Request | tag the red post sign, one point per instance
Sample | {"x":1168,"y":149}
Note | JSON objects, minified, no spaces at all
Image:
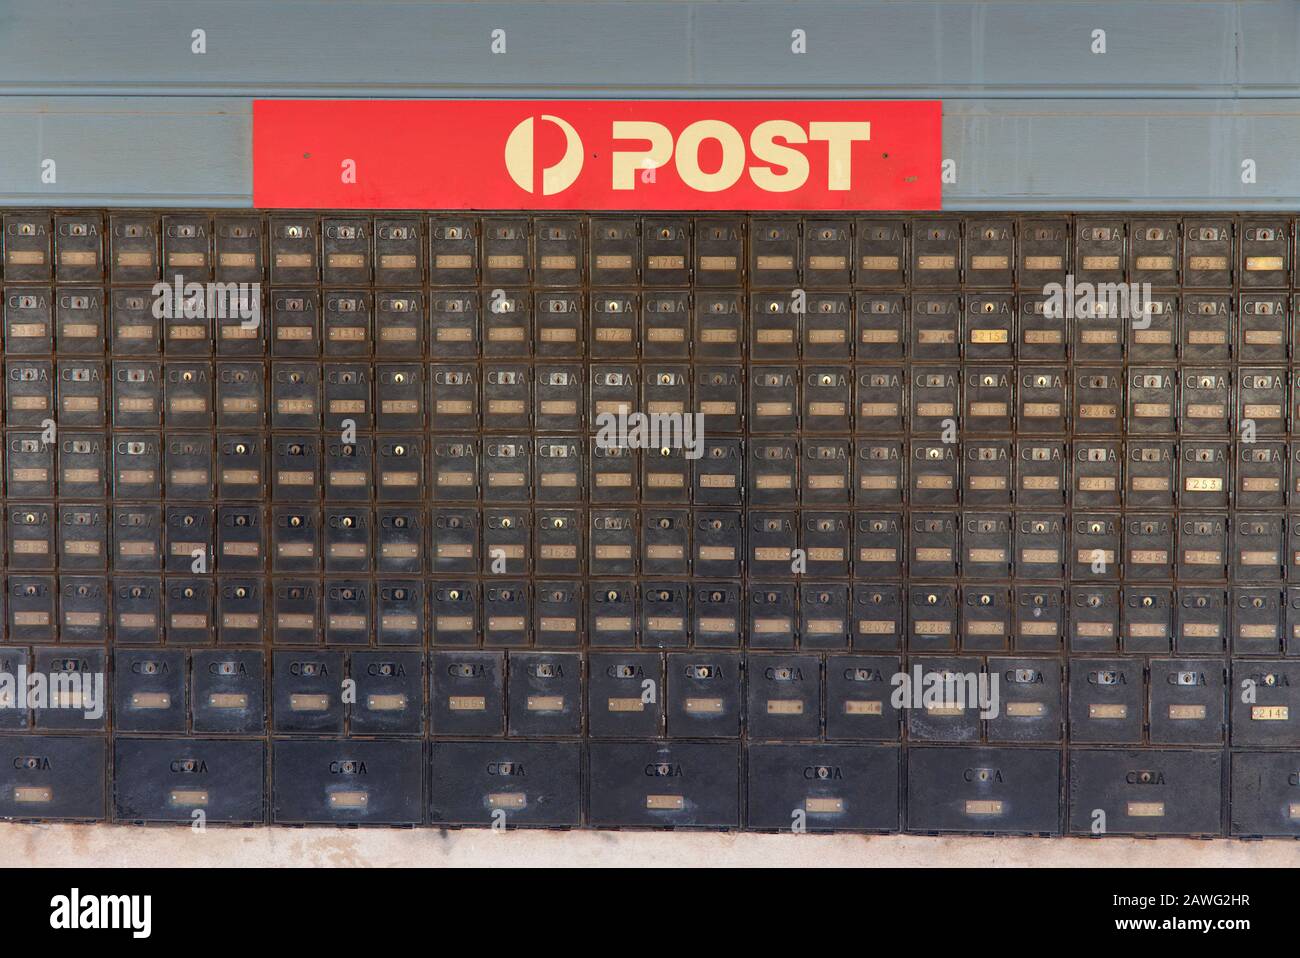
{"x":597,"y":154}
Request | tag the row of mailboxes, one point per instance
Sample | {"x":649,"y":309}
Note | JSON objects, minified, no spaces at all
{"x":826,"y":472}
{"x":1246,"y":547}
{"x":654,"y":250}
{"x":699,"y":694}
{"x":190,"y":319}
{"x":508,"y":612}
{"x":1255,"y":401}
{"x":670,"y":406}
{"x":654,"y":784}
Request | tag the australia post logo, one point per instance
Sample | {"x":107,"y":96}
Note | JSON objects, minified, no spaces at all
{"x":519,"y":157}
{"x":593,"y":155}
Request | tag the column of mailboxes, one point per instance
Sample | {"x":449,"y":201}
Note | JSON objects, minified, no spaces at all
{"x":1179,"y":538}
{"x":1118,"y":470}
{"x":749,"y":323}
{"x":1178,"y":411}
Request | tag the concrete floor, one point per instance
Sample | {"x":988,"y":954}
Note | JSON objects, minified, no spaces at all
{"x":116,"y":845}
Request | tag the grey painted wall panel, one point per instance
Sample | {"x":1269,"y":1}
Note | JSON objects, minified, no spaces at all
{"x":1155,"y":154}
{"x":143,"y":151}
{"x":973,"y":49}
{"x":308,"y":47}
{"x":961,"y":48}
{"x":1012,"y":154}
{"x":1269,"y":40}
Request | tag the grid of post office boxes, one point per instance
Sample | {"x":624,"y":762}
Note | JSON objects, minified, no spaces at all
{"x":334,"y":501}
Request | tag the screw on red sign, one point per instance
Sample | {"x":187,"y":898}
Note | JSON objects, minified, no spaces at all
{"x":596,"y":155}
